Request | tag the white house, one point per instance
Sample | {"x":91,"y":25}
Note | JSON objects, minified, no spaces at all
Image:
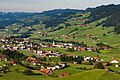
{"x":114,"y":61}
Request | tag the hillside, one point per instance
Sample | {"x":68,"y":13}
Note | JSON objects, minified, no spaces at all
{"x":53,"y":18}
{"x":50,"y":18}
{"x":111,"y":12}
{"x":92,"y":75}
{"x":70,"y":25}
{"x":75,"y":30}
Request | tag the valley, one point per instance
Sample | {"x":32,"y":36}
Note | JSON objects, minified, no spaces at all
{"x":61,"y":45}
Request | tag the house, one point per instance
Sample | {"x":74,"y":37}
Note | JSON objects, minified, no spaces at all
{"x":3,"y":57}
{"x":95,"y":48}
{"x":115,"y":62}
{"x":15,"y":48}
{"x":63,"y":64}
{"x":78,"y":48}
{"x":82,"y":49}
{"x":33,"y":61}
{"x":58,"y":45}
{"x":89,"y":49}
{"x":14,"y":62}
{"x":105,"y":63}
{"x":64,"y":74}
{"x":51,"y":55}
{"x":87,"y":58}
{"x":47,"y":71}
{"x":57,"y":67}
{"x":64,"y":35}
{"x":51,"y":68}
{"x":67,"y":45}
{"x":96,"y":58}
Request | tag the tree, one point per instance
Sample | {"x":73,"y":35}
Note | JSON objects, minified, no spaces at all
{"x":117,"y":29}
{"x":70,"y":50}
{"x":79,"y":60}
{"x":98,"y":65}
{"x":44,"y":59}
{"x":104,"y":34}
{"x":28,"y":72}
{"x":49,"y":59}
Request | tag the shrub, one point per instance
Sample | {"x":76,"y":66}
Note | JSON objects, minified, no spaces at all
{"x":84,"y":68}
{"x":28,"y":72}
{"x":0,"y":75}
{"x":17,"y":70}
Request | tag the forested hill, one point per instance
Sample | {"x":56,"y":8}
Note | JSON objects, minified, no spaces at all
{"x":103,"y":11}
{"x":60,"y":11}
{"x":111,"y":12}
{"x":12,"y":17}
{"x":53,"y":18}
{"x":114,"y":20}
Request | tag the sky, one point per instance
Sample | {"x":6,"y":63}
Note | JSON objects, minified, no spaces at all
{"x":43,"y":5}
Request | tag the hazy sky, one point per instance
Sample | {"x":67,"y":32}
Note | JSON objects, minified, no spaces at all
{"x":42,"y":5}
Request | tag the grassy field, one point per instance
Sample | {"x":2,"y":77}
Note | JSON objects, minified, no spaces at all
{"x":86,"y":75}
{"x":109,"y":76}
{"x":27,"y":52}
{"x":21,"y":76}
{"x":73,"y":69}
{"x":93,"y":75}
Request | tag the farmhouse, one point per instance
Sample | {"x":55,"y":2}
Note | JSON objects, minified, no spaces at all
{"x":114,"y":62}
{"x":78,"y":48}
{"x":3,"y":57}
{"x":47,"y":71}
{"x":64,"y":74}
{"x":59,"y":66}
{"x":67,"y":45}
{"x":58,"y":45}
{"x":14,"y":62}
{"x":33,"y":61}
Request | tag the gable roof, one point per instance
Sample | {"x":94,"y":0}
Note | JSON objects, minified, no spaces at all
{"x":64,"y":74}
{"x":46,"y":71}
{"x":114,"y":61}
{"x":31,"y":58}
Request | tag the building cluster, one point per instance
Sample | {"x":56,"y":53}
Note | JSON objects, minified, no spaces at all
{"x":43,"y":53}
{"x":18,"y":44}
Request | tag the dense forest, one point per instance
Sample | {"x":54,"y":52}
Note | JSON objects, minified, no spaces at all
{"x":102,"y":11}
{"x":111,"y":12}
{"x":114,"y":20}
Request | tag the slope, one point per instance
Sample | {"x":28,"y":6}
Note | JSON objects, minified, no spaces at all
{"x":87,"y":75}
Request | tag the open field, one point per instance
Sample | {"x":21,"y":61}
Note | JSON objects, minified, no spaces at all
{"x":21,"y":76}
{"x":93,"y":75}
{"x":86,"y":75}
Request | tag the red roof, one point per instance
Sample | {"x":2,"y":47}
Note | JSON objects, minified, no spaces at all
{"x":64,"y":74}
{"x":44,"y":70}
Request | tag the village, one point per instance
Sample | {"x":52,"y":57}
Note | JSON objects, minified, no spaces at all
{"x":44,"y":62}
